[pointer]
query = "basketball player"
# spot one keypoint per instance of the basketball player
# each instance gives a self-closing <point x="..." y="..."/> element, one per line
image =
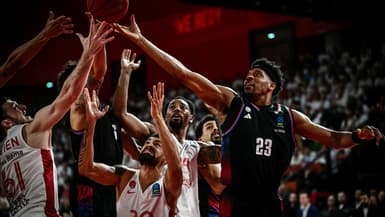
<point x="147" y="191"/>
<point x="210" y="187"/>
<point x="23" y="54"/>
<point x="178" y="116"/>
<point x="258" y="135"/>
<point x="88" y="198"/>
<point x="26" y="160"/>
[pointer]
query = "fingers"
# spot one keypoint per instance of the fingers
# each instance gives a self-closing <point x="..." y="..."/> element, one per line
<point x="149" y="97"/>
<point x="370" y="132"/>
<point x="80" y="36"/>
<point x="86" y="95"/>
<point x="50" y="16"/>
<point x="105" y="109"/>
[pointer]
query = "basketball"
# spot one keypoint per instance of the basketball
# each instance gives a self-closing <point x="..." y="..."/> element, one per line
<point x="108" y="10"/>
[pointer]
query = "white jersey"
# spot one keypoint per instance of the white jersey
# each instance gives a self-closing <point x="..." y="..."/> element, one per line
<point x="28" y="177"/>
<point x="188" y="202"/>
<point x="151" y="202"/>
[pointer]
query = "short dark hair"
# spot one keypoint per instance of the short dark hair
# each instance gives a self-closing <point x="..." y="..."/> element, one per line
<point x="153" y="134"/>
<point x="202" y="121"/>
<point x="189" y="102"/>
<point x="69" y="66"/>
<point x="272" y="69"/>
<point x="3" y="99"/>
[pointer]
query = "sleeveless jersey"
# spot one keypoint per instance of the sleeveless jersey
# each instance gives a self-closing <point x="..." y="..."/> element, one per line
<point x="208" y="200"/>
<point x="28" y="177"/>
<point x="188" y="202"/>
<point x="149" y="202"/>
<point x="89" y="198"/>
<point x="258" y="143"/>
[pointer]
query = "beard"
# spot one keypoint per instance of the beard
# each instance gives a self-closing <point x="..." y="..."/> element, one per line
<point x="147" y="159"/>
<point x="216" y="139"/>
<point x="176" y="124"/>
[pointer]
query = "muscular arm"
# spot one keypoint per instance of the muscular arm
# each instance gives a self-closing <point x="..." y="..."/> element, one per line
<point x="129" y="145"/>
<point x="23" y="54"/>
<point x="131" y="124"/>
<point x="174" y="176"/>
<point x="331" y="138"/>
<point x="98" y="172"/>
<point x="197" y="83"/>
<point x="48" y="116"/>
<point x="94" y="82"/>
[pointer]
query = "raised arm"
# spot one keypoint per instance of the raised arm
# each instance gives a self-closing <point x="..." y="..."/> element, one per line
<point x="332" y="138"/>
<point x="131" y="124"/>
<point x="94" y="82"/>
<point x="200" y="85"/>
<point x="173" y="177"/>
<point x="23" y="54"/>
<point x="48" y="116"/>
<point x="98" y="172"/>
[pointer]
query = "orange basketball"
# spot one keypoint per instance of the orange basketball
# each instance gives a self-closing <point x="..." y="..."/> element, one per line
<point x="108" y="10"/>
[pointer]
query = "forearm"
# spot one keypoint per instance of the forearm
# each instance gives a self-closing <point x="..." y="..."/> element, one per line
<point x="98" y="71"/>
<point x="170" y="64"/>
<point x="76" y="81"/>
<point x="121" y="94"/>
<point x="169" y="144"/>
<point x="341" y="140"/>
<point x="86" y="155"/>
<point x="21" y="56"/>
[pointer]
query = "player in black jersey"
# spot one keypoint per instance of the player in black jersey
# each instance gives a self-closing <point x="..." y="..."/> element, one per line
<point x="258" y="135"/>
<point x="210" y="187"/>
<point x="88" y="198"/>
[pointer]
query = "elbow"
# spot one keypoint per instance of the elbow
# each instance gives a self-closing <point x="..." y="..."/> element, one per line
<point x="84" y="170"/>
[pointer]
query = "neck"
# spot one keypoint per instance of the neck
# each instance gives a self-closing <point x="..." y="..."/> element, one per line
<point x="148" y="175"/>
<point x="180" y="135"/>
<point x="260" y="100"/>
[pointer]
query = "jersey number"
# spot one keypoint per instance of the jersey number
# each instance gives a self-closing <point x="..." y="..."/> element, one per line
<point x="263" y="146"/>
<point x="9" y="184"/>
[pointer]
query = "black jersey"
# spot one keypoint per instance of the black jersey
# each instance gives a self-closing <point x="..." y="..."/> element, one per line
<point x="258" y="143"/>
<point x="89" y="198"/>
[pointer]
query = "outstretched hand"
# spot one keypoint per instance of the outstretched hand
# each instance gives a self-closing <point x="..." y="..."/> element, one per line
<point x="156" y="100"/>
<point x="131" y="32"/>
<point x="98" y="36"/>
<point x="370" y="132"/>
<point x="127" y="61"/>
<point x="57" y="26"/>
<point x="91" y="106"/>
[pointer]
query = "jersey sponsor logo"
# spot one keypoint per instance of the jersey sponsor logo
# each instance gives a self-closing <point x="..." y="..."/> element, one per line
<point x="18" y="203"/>
<point x="247" y="116"/>
<point x="155" y="190"/>
<point x="131" y="185"/>
<point x="280" y="125"/>
<point x="247" y="109"/>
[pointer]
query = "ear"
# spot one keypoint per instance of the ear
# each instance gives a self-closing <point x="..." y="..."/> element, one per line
<point x="273" y="85"/>
<point x="191" y="119"/>
<point x="6" y="123"/>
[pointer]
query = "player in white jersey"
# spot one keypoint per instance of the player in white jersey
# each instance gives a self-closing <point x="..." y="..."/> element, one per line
<point x="28" y="175"/>
<point x="178" y="117"/>
<point x="148" y="191"/>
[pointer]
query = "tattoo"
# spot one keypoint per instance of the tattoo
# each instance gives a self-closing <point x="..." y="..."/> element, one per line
<point x="83" y="146"/>
<point x="79" y="105"/>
